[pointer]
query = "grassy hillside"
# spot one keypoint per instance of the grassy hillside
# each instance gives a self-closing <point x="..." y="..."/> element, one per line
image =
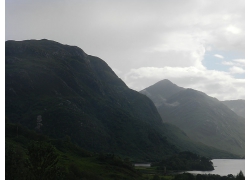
<point x="73" y="161"/>
<point x="203" y="119"/>
<point x="182" y="141"/>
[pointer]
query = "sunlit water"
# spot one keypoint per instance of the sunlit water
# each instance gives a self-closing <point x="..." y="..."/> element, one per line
<point x="224" y="167"/>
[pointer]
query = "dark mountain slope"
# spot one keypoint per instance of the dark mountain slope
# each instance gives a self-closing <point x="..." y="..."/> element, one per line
<point x="238" y="106"/>
<point x="79" y="96"/>
<point x="204" y="119"/>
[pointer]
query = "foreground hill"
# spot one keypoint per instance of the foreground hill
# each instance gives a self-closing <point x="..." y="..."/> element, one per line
<point x="58" y="159"/>
<point x="203" y="118"/>
<point x="80" y="96"/>
<point x="60" y="91"/>
<point x="238" y="106"/>
<point x="65" y="160"/>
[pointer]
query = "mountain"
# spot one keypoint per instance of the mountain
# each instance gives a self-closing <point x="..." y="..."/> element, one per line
<point x="203" y="118"/>
<point x="161" y="91"/>
<point x="62" y="92"/>
<point x="238" y="106"/>
<point x="79" y="95"/>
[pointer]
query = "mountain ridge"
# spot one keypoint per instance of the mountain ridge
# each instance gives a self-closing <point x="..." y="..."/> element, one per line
<point x="160" y="95"/>
<point x="238" y="106"/>
<point x="79" y="96"/>
<point x="203" y="118"/>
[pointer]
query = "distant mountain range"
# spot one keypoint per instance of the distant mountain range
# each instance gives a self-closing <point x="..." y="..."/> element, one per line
<point x="238" y="106"/>
<point x="203" y="118"/>
<point x="60" y="91"/>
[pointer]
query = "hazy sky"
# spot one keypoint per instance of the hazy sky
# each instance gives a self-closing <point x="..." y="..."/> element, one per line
<point x="198" y="44"/>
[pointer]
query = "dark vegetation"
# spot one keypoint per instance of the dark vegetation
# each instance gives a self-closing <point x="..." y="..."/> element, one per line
<point x="149" y="174"/>
<point x="33" y="156"/>
<point x="29" y="155"/>
<point x="188" y="176"/>
<point x="185" y="161"/>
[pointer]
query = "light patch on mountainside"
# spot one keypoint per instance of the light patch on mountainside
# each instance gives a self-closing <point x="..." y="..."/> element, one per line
<point x="176" y="103"/>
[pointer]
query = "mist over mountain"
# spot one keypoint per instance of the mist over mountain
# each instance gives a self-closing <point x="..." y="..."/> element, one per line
<point x="203" y="118"/>
<point x="238" y="106"/>
<point x="76" y="95"/>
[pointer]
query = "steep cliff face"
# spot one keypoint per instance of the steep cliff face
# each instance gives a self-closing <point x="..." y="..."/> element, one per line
<point x="202" y="118"/>
<point x="80" y="96"/>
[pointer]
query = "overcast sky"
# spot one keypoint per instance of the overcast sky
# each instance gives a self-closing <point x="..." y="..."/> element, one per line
<point x="197" y="44"/>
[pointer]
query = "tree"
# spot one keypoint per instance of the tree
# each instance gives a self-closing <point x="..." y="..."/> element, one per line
<point x="42" y="161"/>
<point x="14" y="163"/>
<point x="240" y="176"/>
<point x="156" y="177"/>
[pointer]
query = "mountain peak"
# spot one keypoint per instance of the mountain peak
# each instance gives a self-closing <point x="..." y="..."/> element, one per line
<point x="164" y="81"/>
<point x="161" y="91"/>
<point x="43" y="49"/>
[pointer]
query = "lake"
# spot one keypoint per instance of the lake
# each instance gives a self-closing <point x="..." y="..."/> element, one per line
<point x="142" y="165"/>
<point x="224" y="167"/>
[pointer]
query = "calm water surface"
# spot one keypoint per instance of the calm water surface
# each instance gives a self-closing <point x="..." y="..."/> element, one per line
<point x="224" y="167"/>
<point x="142" y="165"/>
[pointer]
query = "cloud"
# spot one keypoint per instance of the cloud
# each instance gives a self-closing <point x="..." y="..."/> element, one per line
<point x="227" y="63"/>
<point x="219" y="56"/>
<point x="233" y="29"/>
<point x="214" y="83"/>
<point x="236" y="70"/>
<point x="137" y="33"/>
<point x="167" y="39"/>
<point x="240" y="62"/>
<point x="235" y="62"/>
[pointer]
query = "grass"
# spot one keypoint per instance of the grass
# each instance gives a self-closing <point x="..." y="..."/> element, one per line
<point x="74" y="161"/>
<point x="152" y="172"/>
